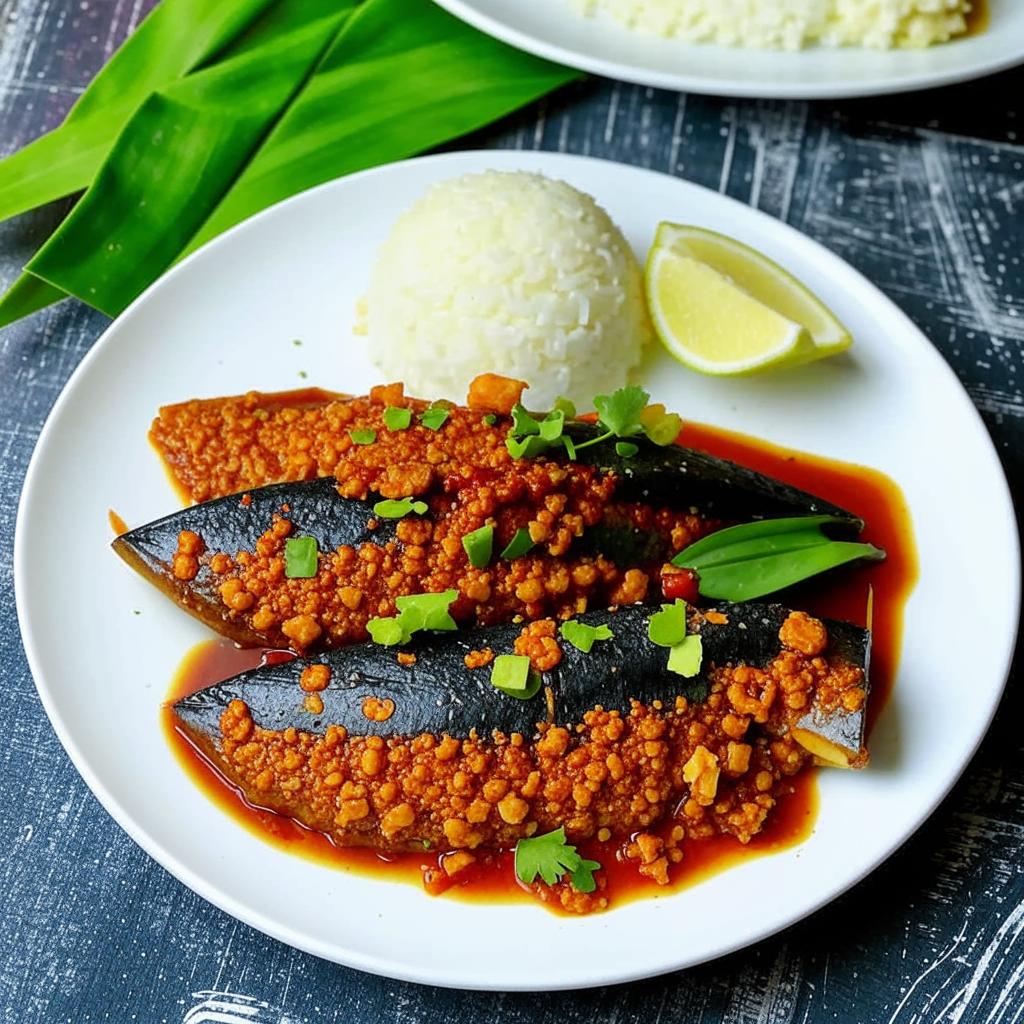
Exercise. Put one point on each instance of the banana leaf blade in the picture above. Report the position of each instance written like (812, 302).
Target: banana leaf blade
(27, 295)
(403, 76)
(177, 36)
(175, 158)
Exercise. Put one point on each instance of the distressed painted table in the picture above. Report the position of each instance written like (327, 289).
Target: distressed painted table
(925, 194)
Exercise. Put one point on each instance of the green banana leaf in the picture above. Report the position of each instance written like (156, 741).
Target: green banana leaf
(403, 77)
(177, 36)
(400, 77)
(177, 155)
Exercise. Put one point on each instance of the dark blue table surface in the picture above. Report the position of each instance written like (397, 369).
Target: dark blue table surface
(925, 195)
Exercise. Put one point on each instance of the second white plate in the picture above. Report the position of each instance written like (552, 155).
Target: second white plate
(556, 30)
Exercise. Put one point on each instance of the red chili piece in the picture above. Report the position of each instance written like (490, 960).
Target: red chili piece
(680, 584)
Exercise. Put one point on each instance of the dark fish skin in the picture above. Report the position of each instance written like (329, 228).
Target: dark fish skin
(657, 476)
(438, 694)
(231, 525)
(719, 489)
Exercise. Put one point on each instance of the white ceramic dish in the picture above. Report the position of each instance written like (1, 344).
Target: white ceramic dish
(556, 30)
(224, 320)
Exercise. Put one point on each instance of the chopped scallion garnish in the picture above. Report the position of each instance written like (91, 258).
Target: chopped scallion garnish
(626, 449)
(363, 436)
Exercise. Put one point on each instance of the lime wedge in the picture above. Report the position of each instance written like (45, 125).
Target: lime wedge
(723, 308)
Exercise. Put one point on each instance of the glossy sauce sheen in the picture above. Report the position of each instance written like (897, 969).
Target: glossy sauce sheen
(866, 492)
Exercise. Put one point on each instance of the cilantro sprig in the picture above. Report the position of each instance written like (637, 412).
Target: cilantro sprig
(625, 413)
(530, 437)
(550, 857)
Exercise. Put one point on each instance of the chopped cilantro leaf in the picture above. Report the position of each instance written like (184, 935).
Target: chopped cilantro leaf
(583, 877)
(396, 418)
(520, 543)
(582, 636)
(526, 448)
(479, 546)
(685, 657)
(668, 627)
(387, 632)
(565, 407)
(551, 426)
(300, 558)
(523, 424)
(363, 436)
(620, 411)
(396, 508)
(550, 857)
(490, 419)
(626, 449)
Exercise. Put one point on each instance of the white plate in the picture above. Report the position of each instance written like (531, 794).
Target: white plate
(224, 321)
(556, 30)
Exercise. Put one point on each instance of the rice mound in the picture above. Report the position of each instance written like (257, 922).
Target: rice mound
(508, 272)
(791, 24)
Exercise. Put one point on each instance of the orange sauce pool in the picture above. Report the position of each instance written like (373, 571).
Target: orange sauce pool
(866, 492)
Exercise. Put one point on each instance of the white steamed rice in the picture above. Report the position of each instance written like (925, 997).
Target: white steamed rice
(511, 273)
(791, 24)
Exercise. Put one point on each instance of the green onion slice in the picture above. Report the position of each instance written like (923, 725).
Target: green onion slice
(519, 545)
(479, 546)
(363, 436)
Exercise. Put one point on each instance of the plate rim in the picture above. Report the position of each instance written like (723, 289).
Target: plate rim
(350, 957)
(466, 10)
